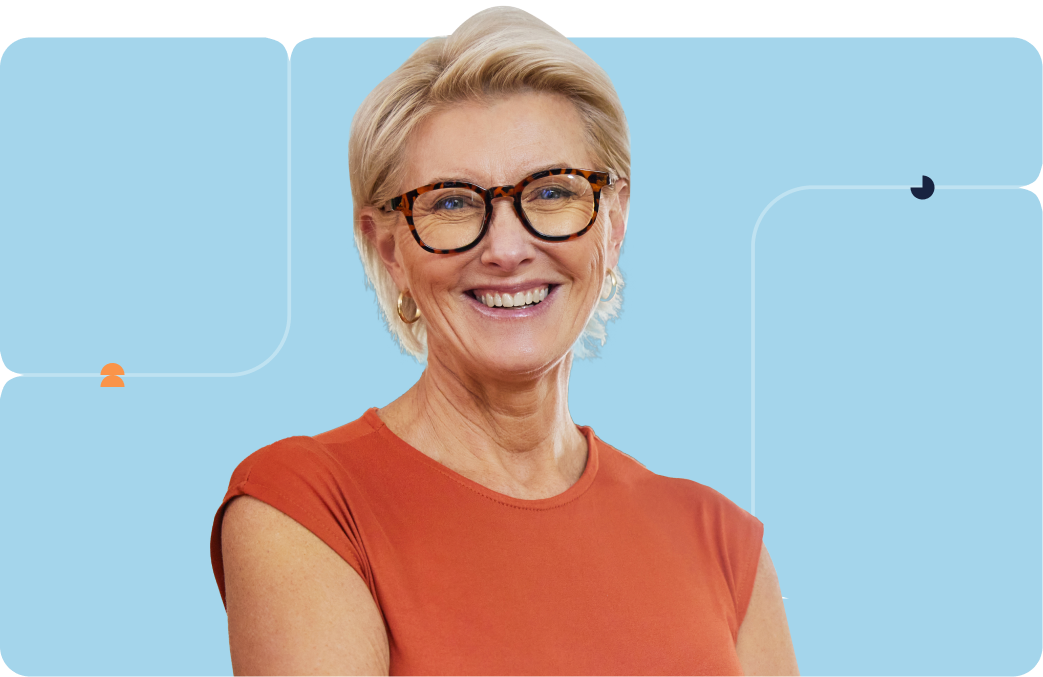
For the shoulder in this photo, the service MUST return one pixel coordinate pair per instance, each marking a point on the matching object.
(300, 457)
(676, 503)
(360, 428)
(309, 479)
(621, 466)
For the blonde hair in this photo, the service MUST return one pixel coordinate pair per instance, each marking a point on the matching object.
(496, 52)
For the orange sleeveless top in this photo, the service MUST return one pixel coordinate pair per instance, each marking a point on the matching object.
(626, 572)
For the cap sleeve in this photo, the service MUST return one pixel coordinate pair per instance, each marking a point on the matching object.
(299, 478)
(744, 536)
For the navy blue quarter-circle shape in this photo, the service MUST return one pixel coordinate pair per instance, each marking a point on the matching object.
(925, 191)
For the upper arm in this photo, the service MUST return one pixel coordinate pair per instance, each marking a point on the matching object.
(294, 605)
(764, 645)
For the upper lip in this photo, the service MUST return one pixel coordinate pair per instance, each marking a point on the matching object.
(511, 288)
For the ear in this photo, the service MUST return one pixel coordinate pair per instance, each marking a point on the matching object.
(619, 207)
(380, 229)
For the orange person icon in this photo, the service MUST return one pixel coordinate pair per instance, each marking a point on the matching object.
(112, 373)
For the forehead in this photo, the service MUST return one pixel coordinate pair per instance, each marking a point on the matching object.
(497, 143)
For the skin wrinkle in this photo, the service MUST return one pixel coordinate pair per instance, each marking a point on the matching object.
(492, 403)
(489, 416)
(477, 424)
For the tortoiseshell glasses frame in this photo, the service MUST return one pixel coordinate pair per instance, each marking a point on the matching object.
(598, 180)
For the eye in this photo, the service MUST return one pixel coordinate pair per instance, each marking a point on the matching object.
(551, 193)
(451, 203)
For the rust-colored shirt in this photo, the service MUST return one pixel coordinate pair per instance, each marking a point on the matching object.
(626, 572)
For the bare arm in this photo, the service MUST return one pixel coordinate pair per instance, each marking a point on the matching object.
(764, 645)
(295, 607)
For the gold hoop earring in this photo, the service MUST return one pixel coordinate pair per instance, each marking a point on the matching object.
(416, 317)
(611, 296)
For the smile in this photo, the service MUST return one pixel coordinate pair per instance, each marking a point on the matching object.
(519, 299)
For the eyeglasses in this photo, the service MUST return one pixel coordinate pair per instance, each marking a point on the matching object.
(453, 216)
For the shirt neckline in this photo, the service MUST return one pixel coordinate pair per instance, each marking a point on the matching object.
(572, 493)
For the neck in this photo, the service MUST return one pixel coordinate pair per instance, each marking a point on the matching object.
(514, 436)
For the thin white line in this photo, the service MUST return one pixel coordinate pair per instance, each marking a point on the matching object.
(93, 376)
(288, 297)
(753, 309)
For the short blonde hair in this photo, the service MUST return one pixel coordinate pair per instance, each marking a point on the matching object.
(496, 52)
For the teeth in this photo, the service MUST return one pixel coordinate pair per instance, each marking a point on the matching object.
(516, 300)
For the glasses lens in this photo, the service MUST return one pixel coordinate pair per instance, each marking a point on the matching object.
(558, 205)
(448, 218)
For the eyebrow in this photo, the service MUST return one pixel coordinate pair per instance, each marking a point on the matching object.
(445, 179)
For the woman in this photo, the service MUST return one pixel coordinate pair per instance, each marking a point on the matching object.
(470, 526)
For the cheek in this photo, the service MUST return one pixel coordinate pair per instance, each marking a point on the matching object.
(595, 252)
(586, 264)
(433, 274)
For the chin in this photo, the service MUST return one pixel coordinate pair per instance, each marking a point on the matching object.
(516, 360)
(507, 357)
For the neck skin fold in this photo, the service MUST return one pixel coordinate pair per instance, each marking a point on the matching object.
(514, 437)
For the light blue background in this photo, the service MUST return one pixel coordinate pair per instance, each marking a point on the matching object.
(143, 187)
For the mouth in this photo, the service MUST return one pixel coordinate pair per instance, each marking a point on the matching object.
(501, 300)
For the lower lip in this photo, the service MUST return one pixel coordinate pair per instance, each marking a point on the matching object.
(500, 313)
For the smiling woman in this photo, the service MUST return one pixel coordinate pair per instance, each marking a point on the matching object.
(478, 245)
(470, 526)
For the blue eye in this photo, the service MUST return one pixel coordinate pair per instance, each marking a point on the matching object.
(550, 194)
(450, 203)
(457, 202)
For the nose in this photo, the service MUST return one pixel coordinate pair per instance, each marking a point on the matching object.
(506, 245)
